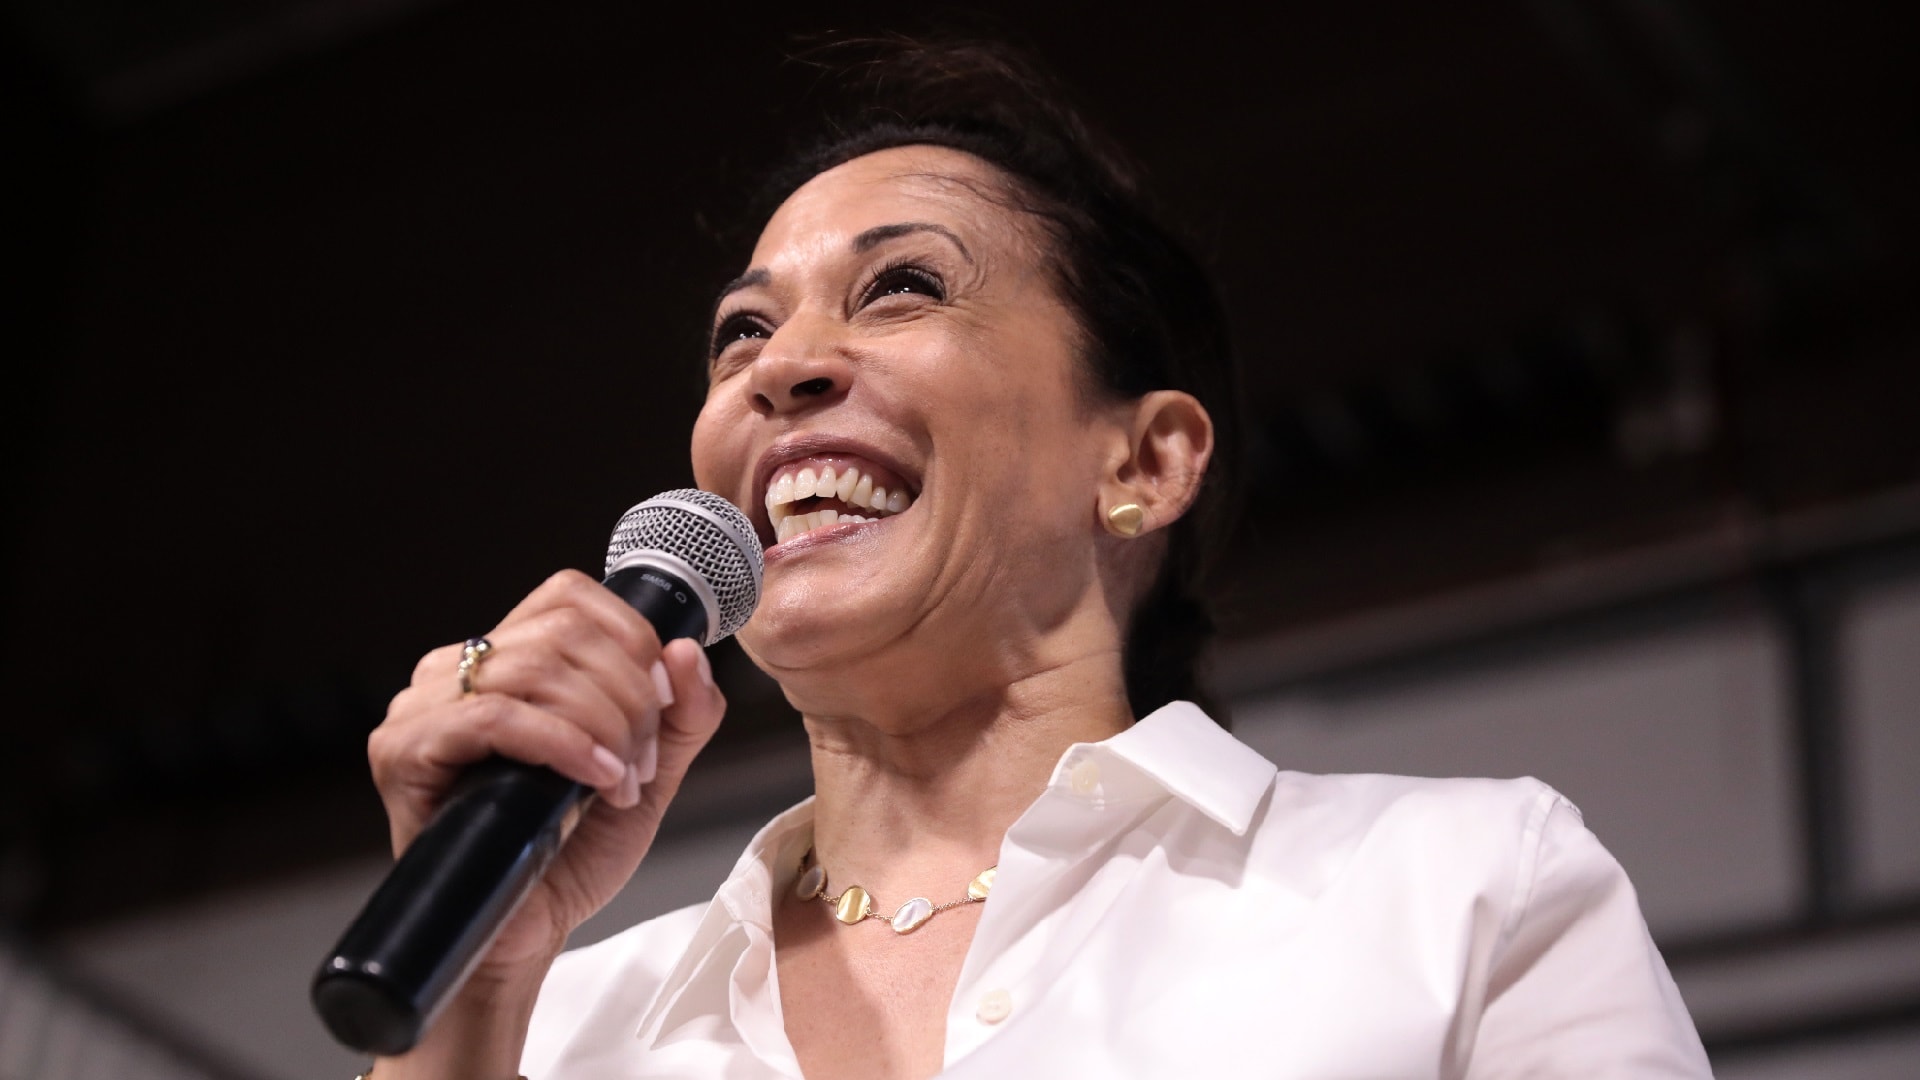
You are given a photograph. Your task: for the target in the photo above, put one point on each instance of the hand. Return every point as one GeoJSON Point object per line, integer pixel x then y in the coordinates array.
{"type": "Point", "coordinates": [576, 681]}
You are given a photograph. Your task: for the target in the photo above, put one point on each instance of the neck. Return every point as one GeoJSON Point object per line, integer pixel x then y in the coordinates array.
{"type": "Point", "coordinates": [917, 808]}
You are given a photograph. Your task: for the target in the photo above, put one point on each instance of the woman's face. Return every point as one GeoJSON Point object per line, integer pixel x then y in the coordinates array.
{"type": "Point", "coordinates": [900, 330]}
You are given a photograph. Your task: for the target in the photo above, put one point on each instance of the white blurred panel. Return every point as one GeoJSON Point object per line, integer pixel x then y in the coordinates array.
{"type": "Point", "coordinates": [1773, 986]}
{"type": "Point", "coordinates": [232, 972]}
{"type": "Point", "coordinates": [1883, 1056]}
{"type": "Point", "coordinates": [27, 1004]}
{"type": "Point", "coordinates": [1675, 745]}
{"type": "Point", "coordinates": [1880, 665]}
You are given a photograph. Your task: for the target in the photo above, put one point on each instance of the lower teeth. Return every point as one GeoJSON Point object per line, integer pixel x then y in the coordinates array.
{"type": "Point", "coordinates": [819, 519]}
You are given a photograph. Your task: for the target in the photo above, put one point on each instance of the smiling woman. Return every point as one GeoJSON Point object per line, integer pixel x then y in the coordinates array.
{"type": "Point", "coordinates": [977, 404]}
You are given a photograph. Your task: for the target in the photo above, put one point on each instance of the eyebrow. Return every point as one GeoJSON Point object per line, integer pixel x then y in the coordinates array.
{"type": "Point", "coordinates": [880, 234]}
{"type": "Point", "coordinates": [750, 280]}
{"type": "Point", "coordinates": [863, 243]}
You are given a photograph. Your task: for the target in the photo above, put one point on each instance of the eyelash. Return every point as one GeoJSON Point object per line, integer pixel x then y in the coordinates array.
{"type": "Point", "coordinates": [733, 328]}
{"type": "Point", "coordinates": [901, 270]}
{"type": "Point", "coordinates": [743, 324]}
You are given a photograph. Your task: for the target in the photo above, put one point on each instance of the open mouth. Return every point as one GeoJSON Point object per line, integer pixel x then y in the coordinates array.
{"type": "Point", "coordinates": [827, 491]}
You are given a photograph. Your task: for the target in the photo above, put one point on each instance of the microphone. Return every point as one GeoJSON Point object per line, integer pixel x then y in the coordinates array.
{"type": "Point", "coordinates": [687, 560]}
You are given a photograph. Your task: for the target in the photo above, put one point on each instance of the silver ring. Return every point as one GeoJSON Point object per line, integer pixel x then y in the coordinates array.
{"type": "Point", "coordinates": [475, 651]}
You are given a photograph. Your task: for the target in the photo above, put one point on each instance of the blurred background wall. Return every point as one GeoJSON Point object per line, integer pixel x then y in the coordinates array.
{"type": "Point", "coordinates": [1586, 445]}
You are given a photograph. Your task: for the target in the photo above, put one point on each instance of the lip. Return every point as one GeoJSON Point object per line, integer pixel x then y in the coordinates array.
{"type": "Point", "coordinates": [819, 537]}
{"type": "Point", "coordinates": [813, 445]}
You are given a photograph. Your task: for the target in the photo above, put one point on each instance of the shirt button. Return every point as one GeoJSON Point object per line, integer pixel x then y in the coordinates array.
{"type": "Point", "coordinates": [995, 1006]}
{"type": "Point", "coordinates": [1084, 778]}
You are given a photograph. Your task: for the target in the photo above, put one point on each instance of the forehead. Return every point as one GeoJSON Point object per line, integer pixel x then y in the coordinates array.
{"type": "Point", "coordinates": [901, 184]}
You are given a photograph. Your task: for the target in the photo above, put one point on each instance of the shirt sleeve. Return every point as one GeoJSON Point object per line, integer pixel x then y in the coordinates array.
{"type": "Point", "coordinates": [1577, 987]}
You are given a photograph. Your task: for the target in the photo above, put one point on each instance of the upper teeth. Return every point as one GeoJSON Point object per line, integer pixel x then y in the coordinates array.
{"type": "Point", "coordinates": [845, 483]}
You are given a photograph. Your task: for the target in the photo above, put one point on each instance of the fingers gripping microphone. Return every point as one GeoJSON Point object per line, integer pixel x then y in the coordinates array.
{"type": "Point", "coordinates": [689, 561]}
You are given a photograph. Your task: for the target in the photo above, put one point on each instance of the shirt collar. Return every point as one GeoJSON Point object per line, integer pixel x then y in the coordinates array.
{"type": "Point", "coordinates": [743, 900]}
{"type": "Point", "coordinates": [1197, 762]}
{"type": "Point", "coordinates": [1178, 747]}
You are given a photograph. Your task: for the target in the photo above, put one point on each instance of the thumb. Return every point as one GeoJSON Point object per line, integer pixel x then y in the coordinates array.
{"type": "Point", "coordinates": [690, 722]}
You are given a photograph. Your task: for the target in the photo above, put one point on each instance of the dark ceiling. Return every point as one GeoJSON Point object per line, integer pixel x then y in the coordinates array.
{"type": "Point", "coordinates": [341, 324]}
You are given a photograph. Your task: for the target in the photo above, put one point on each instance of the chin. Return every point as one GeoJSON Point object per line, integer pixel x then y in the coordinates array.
{"type": "Point", "coordinates": [801, 629]}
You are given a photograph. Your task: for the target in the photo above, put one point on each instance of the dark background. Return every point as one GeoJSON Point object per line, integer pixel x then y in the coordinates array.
{"type": "Point", "coordinates": [334, 327]}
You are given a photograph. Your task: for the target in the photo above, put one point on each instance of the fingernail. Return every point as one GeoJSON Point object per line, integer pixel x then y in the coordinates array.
{"type": "Point", "coordinates": [706, 669]}
{"type": "Point", "coordinates": [610, 764]}
{"type": "Point", "coordinates": [662, 683]}
{"type": "Point", "coordinates": [629, 793]}
{"type": "Point", "coordinates": [646, 763]}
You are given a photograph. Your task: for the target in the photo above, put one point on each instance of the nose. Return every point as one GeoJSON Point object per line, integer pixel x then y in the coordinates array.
{"type": "Point", "coordinates": [799, 368]}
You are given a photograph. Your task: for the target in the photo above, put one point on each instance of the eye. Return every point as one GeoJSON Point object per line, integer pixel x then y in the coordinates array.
{"type": "Point", "coordinates": [902, 279]}
{"type": "Point", "coordinates": [741, 326]}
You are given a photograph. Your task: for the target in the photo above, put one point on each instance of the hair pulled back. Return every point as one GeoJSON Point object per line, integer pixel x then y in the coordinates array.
{"type": "Point", "coordinates": [1147, 312]}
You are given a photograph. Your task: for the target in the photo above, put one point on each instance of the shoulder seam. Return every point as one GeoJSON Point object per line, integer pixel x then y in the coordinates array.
{"type": "Point", "coordinates": [1527, 869]}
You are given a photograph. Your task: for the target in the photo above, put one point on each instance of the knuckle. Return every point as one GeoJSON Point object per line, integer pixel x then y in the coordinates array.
{"type": "Point", "coordinates": [632, 633]}
{"type": "Point", "coordinates": [544, 669]}
{"type": "Point", "coordinates": [401, 704]}
{"type": "Point", "coordinates": [637, 637]}
{"type": "Point", "coordinates": [567, 582]}
{"type": "Point", "coordinates": [566, 626]}
{"type": "Point", "coordinates": [429, 665]}
{"type": "Point", "coordinates": [532, 667]}
{"type": "Point", "coordinates": [485, 714]}
{"type": "Point", "coordinates": [382, 755]}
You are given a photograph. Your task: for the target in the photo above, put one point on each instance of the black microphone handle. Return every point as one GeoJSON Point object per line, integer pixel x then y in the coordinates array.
{"type": "Point", "coordinates": [415, 942]}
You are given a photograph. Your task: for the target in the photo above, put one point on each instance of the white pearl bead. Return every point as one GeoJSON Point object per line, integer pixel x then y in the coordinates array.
{"type": "Point", "coordinates": [912, 914]}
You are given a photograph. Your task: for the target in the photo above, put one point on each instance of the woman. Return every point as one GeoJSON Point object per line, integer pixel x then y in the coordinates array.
{"type": "Point", "coordinates": [961, 303]}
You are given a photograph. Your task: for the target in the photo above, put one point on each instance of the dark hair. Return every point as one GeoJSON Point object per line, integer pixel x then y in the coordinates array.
{"type": "Point", "coordinates": [1148, 311]}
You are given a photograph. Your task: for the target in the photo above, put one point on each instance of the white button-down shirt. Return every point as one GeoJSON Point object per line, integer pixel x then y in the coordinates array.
{"type": "Point", "coordinates": [1174, 906]}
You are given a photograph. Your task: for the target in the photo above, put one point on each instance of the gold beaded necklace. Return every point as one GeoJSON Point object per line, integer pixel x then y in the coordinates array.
{"type": "Point", "coordinates": [854, 904]}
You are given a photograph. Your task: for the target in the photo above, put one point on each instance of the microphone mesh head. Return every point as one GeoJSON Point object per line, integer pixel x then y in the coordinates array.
{"type": "Point", "coordinates": [707, 532]}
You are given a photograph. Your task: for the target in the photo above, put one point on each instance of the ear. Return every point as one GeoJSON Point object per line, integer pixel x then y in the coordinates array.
{"type": "Point", "coordinates": [1169, 441]}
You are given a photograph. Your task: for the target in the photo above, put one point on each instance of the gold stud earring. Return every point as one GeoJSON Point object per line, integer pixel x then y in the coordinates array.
{"type": "Point", "coordinates": [1126, 519]}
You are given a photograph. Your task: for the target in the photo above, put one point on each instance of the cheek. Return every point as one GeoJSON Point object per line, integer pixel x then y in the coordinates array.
{"type": "Point", "coordinates": [993, 387]}
{"type": "Point", "coordinates": [714, 455]}
{"type": "Point", "coordinates": [1030, 417]}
